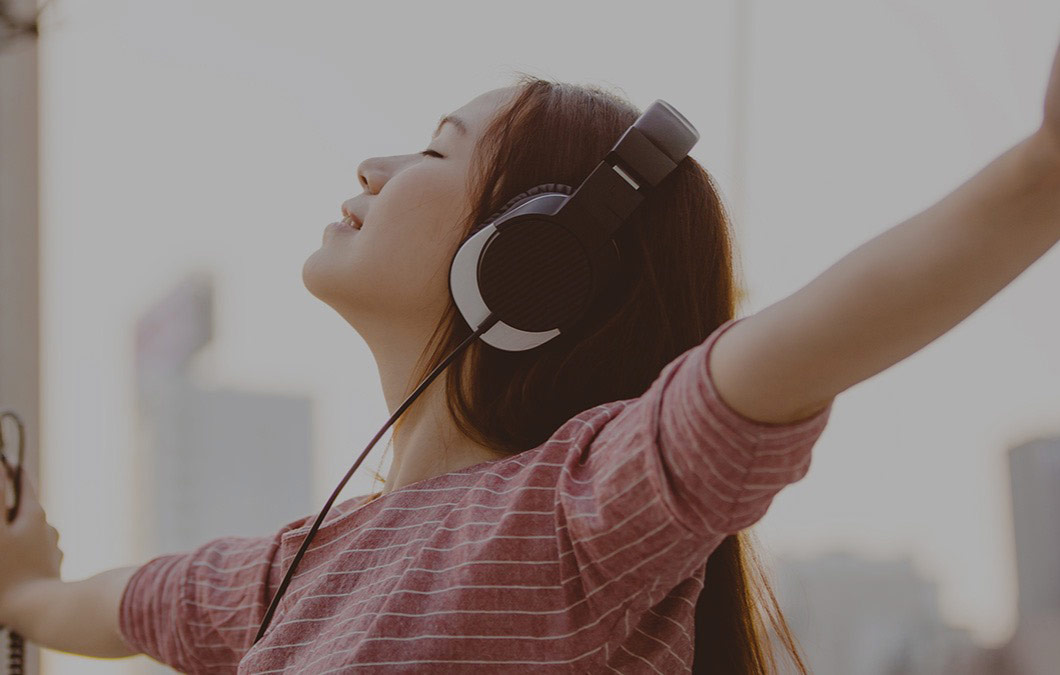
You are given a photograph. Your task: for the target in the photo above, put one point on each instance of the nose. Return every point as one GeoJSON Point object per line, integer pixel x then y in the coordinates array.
{"type": "Point", "coordinates": [374, 172]}
{"type": "Point", "coordinates": [362, 169]}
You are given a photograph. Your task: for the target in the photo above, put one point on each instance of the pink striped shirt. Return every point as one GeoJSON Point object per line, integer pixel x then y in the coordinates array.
{"type": "Point", "coordinates": [585, 554]}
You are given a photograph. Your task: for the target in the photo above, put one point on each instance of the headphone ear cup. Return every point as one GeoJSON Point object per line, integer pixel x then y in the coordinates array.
{"type": "Point", "coordinates": [535, 274]}
{"type": "Point", "coordinates": [519, 199]}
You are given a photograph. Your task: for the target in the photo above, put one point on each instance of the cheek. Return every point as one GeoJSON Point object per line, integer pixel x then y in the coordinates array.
{"type": "Point", "coordinates": [398, 264]}
{"type": "Point", "coordinates": [391, 268]}
{"type": "Point", "coordinates": [412, 234]}
{"type": "Point", "coordinates": [420, 205]}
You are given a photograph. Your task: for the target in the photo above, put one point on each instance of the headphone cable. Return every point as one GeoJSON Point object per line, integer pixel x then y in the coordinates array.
{"type": "Point", "coordinates": [486, 325]}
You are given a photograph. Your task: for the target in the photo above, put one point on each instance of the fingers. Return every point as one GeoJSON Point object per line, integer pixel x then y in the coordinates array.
{"type": "Point", "coordinates": [29, 503]}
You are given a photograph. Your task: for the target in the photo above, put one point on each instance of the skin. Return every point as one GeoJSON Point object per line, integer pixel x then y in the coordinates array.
{"type": "Point", "coordinates": [389, 280]}
{"type": "Point", "coordinates": [901, 290]}
{"type": "Point", "coordinates": [29, 545]}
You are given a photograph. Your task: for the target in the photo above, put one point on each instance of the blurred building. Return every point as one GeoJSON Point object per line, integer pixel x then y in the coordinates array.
{"type": "Point", "coordinates": [215, 461]}
{"type": "Point", "coordinates": [1034, 470]}
{"type": "Point", "coordinates": [858, 616]}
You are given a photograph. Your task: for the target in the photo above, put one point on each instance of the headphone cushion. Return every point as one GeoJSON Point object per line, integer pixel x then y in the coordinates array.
{"type": "Point", "coordinates": [522, 196]}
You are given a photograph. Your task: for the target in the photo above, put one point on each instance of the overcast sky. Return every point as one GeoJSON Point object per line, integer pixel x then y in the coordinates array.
{"type": "Point", "coordinates": [224, 136]}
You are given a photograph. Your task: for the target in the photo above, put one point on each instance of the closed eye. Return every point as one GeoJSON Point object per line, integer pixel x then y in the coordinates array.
{"type": "Point", "coordinates": [429, 153]}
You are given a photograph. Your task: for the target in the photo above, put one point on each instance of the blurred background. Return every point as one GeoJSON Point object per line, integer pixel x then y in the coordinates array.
{"type": "Point", "coordinates": [167, 167]}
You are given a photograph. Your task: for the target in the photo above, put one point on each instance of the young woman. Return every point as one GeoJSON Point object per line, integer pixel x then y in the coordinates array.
{"type": "Point", "coordinates": [581, 507]}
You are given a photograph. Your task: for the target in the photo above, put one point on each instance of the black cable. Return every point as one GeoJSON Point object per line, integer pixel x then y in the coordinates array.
{"type": "Point", "coordinates": [16, 653]}
{"type": "Point", "coordinates": [486, 325]}
{"type": "Point", "coordinates": [16, 644]}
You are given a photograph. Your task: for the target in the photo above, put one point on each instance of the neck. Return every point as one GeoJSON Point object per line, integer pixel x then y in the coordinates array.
{"type": "Point", "coordinates": [426, 441]}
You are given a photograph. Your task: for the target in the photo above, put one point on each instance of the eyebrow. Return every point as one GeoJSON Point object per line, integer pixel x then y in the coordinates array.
{"type": "Point", "coordinates": [456, 122]}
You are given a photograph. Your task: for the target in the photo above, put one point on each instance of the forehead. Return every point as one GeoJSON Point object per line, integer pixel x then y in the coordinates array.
{"type": "Point", "coordinates": [479, 110]}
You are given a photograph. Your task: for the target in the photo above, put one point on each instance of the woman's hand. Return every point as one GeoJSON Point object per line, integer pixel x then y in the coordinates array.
{"type": "Point", "coordinates": [1049, 134]}
{"type": "Point", "coordinates": [28, 544]}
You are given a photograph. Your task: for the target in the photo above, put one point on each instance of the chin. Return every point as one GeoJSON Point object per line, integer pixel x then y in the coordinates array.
{"type": "Point", "coordinates": [322, 277]}
{"type": "Point", "coordinates": [330, 280]}
{"type": "Point", "coordinates": [310, 273]}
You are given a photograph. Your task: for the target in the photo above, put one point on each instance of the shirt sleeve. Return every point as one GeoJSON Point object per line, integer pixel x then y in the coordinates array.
{"type": "Point", "coordinates": [674, 472]}
{"type": "Point", "coordinates": [200, 611]}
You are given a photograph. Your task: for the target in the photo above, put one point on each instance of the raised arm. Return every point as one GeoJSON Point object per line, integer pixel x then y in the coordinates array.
{"type": "Point", "coordinates": [896, 293]}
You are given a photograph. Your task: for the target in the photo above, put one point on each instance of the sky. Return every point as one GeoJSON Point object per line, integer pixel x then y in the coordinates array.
{"type": "Point", "coordinates": [224, 136]}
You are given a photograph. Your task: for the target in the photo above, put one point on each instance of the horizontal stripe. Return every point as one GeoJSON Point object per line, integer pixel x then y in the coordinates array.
{"type": "Point", "coordinates": [540, 560]}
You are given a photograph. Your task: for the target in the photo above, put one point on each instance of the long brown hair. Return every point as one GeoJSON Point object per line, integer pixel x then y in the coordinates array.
{"type": "Point", "coordinates": [675, 288]}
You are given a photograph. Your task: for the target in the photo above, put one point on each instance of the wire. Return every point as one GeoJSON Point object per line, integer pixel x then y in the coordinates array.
{"type": "Point", "coordinates": [16, 646]}
{"type": "Point", "coordinates": [486, 325]}
{"type": "Point", "coordinates": [16, 653]}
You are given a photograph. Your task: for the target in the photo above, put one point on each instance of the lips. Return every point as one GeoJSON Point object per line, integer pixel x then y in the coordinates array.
{"type": "Point", "coordinates": [352, 218]}
{"type": "Point", "coordinates": [340, 226]}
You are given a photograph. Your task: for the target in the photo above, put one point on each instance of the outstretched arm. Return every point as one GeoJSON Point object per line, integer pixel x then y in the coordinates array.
{"type": "Point", "coordinates": [896, 293]}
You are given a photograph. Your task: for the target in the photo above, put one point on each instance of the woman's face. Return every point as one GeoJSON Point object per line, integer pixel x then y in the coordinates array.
{"type": "Point", "coordinates": [394, 271]}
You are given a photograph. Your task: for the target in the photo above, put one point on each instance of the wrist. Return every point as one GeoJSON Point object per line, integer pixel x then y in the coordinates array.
{"type": "Point", "coordinates": [22, 603]}
{"type": "Point", "coordinates": [1043, 152]}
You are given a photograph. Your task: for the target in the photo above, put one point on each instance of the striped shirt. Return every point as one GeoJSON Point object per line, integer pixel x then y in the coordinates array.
{"type": "Point", "coordinates": [585, 554]}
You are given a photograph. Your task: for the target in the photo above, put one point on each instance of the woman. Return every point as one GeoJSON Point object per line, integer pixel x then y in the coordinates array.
{"type": "Point", "coordinates": [581, 507]}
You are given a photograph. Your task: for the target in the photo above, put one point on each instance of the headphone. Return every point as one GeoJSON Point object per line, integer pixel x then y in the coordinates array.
{"type": "Point", "coordinates": [534, 268]}
{"type": "Point", "coordinates": [538, 264]}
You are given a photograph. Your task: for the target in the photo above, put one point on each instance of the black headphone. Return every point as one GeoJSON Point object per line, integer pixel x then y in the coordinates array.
{"type": "Point", "coordinates": [532, 270]}
{"type": "Point", "coordinates": [538, 264]}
